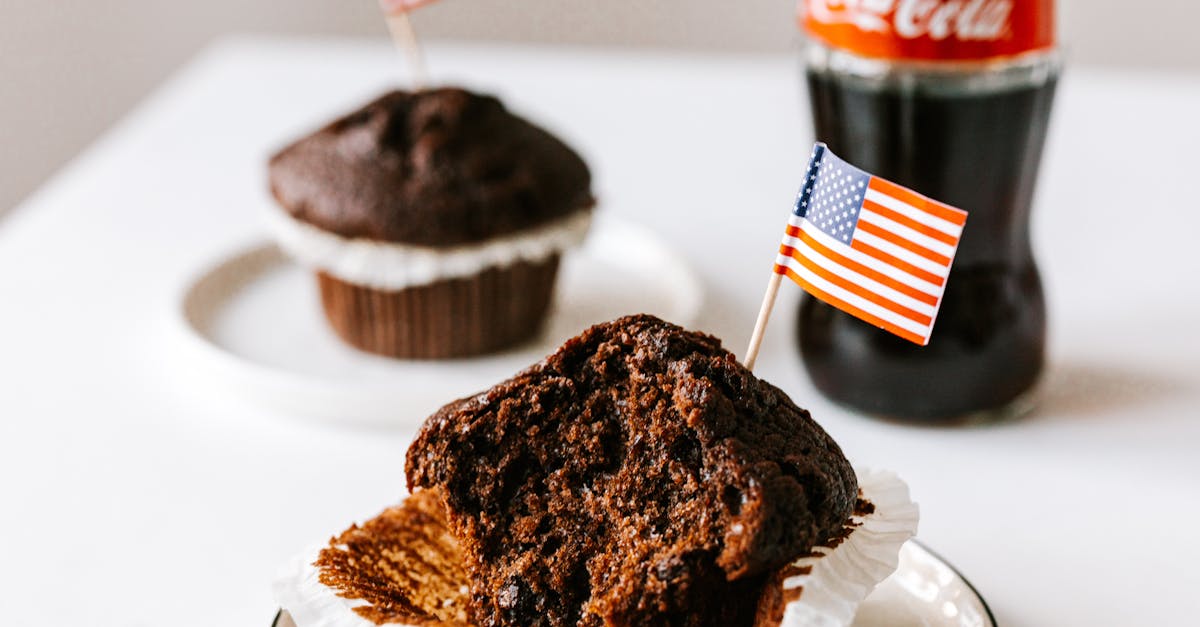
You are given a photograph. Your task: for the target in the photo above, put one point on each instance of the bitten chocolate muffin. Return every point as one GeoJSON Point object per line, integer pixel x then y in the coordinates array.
{"type": "Point", "coordinates": [435, 221]}
{"type": "Point", "coordinates": [638, 476]}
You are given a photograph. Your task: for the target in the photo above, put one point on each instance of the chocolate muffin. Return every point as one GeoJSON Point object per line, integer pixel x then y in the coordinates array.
{"type": "Point", "coordinates": [638, 476]}
{"type": "Point", "coordinates": [434, 220]}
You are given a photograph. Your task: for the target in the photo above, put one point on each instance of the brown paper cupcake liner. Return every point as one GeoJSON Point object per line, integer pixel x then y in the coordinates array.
{"type": "Point", "coordinates": [487, 312]}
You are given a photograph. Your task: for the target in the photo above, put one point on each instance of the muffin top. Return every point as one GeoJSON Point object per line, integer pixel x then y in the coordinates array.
{"type": "Point", "coordinates": [638, 476]}
{"type": "Point", "coordinates": [438, 168]}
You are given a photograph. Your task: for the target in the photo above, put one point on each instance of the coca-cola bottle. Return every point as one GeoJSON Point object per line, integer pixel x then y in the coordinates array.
{"type": "Point", "coordinates": [950, 98]}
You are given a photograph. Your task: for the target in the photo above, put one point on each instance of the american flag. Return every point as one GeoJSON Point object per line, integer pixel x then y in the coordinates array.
{"type": "Point", "coordinates": [392, 7]}
{"type": "Point", "coordinates": [876, 250]}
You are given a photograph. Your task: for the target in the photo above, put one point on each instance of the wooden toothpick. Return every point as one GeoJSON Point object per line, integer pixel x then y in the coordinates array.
{"type": "Point", "coordinates": [405, 38]}
{"type": "Point", "coordinates": [764, 315]}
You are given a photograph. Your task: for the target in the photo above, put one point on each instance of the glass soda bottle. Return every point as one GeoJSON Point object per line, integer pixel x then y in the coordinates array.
{"type": "Point", "coordinates": [950, 98]}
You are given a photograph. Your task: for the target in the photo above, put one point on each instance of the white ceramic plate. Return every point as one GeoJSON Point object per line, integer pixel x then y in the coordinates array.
{"type": "Point", "coordinates": [925, 591]}
{"type": "Point", "coordinates": [252, 324]}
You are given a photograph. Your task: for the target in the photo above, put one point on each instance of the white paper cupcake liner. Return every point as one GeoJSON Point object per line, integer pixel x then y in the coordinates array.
{"type": "Point", "coordinates": [837, 580]}
{"type": "Point", "coordinates": [395, 266]}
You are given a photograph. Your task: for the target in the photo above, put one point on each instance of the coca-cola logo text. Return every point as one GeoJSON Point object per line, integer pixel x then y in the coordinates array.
{"type": "Point", "coordinates": [965, 20]}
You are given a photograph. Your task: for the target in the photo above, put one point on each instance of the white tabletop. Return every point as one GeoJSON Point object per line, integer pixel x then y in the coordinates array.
{"type": "Point", "coordinates": [131, 492]}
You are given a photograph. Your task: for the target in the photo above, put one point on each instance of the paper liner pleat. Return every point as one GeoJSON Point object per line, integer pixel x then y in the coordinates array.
{"type": "Point", "coordinates": [839, 579]}
{"type": "Point", "coordinates": [299, 591]}
{"type": "Point", "coordinates": [490, 311]}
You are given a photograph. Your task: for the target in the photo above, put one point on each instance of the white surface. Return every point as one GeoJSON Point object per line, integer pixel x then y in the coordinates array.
{"type": "Point", "coordinates": [254, 325]}
{"type": "Point", "coordinates": [131, 492]}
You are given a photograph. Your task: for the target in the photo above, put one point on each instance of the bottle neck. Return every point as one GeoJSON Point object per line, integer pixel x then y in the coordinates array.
{"type": "Point", "coordinates": [983, 76]}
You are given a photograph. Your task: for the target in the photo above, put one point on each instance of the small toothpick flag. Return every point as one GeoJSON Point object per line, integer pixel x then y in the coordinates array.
{"type": "Point", "coordinates": [405, 36]}
{"type": "Point", "coordinates": [401, 6]}
{"type": "Point", "coordinates": [875, 250]}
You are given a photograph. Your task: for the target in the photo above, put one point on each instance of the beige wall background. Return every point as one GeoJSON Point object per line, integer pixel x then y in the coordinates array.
{"type": "Point", "coordinates": [70, 68]}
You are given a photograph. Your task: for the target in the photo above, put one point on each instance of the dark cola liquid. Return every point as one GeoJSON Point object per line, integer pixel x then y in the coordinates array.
{"type": "Point", "coordinates": [977, 149]}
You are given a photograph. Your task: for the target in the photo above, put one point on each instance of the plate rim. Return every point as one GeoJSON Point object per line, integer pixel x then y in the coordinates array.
{"type": "Point", "coordinates": [253, 380]}
{"type": "Point", "coordinates": [982, 601]}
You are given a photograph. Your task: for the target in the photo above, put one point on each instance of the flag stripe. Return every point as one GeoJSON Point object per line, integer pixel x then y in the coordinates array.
{"type": "Point", "coordinates": [949, 214]}
{"type": "Point", "coordinates": [913, 213]}
{"type": "Point", "coordinates": [861, 286]}
{"type": "Point", "coordinates": [920, 273]}
{"type": "Point", "coordinates": [850, 309]}
{"type": "Point", "coordinates": [926, 282]}
{"type": "Point", "coordinates": [850, 298]}
{"type": "Point", "coordinates": [915, 225]}
{"type": "Point", "coordinates": [878, 231]}
{"type": "Point", "coordinates": [924, 241]}
{"type": "Point", "coordinates": [894, 253]}
{"type": "Point", "coordinates": [798, 238]}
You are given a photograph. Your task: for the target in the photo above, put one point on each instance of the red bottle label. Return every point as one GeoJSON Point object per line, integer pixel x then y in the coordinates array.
{"type": "Point", "coordinates": [931, 30]}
